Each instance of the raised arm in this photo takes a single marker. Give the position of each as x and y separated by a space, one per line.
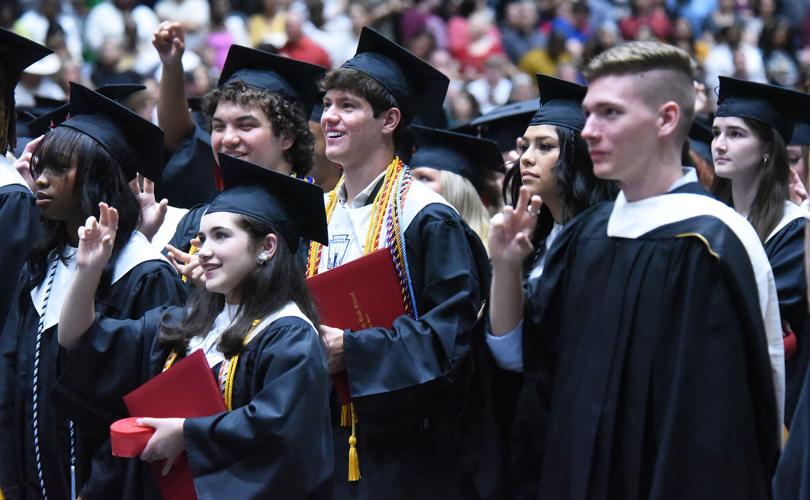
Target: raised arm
95 247
509 245
172 110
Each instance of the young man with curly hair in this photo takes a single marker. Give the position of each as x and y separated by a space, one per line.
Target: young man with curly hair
651 347
259 113
405 381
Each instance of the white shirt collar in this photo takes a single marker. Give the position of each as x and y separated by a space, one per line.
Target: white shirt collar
362 197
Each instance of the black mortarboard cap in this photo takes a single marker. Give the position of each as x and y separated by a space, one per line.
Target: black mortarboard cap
293 79
136 143
16 54
51 119
418 87
560 103
801 134
770 104
506 123
700 138
293 206
317 111
466 155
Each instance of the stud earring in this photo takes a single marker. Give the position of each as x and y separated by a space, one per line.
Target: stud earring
263 257
765 158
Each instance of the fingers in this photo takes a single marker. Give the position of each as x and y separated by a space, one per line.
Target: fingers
178 254
523 200
148 186
167 465
108 217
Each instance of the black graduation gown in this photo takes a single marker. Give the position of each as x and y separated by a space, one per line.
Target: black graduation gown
145 286
792 478
19 217
188 177
785 252
407 383
647 373
275 444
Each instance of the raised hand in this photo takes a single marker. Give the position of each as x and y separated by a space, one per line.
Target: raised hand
170 42
152 213
166 443
187 264
796 190
511 230
96 239
24 165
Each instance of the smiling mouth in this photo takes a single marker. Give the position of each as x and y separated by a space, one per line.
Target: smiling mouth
334 135
211 267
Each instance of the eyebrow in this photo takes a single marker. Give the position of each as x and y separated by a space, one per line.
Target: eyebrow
215 228
238 118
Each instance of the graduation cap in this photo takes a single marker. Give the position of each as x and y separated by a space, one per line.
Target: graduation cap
292 206
560 103
136 143
506 123
700 138
801 134
466 155
418 87
317 111
293 79
772 105
16 54
51 119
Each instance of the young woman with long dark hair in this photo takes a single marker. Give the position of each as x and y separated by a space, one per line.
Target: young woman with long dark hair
89 158
254 320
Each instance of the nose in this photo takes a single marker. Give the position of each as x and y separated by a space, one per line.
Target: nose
230 137
328 116
525 158
589 132
42 180
719 143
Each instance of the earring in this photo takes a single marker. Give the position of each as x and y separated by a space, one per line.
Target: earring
765 158
263 257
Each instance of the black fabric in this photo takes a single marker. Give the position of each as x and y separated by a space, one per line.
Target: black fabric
188 178
646 369
17 53
785 252
506 123
560 103
136 143
466 155
418 87
18 212
276 443
792 478
407 383
145 286
773 105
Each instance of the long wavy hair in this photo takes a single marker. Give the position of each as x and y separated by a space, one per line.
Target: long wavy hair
263 291
768 206
99 177
577 186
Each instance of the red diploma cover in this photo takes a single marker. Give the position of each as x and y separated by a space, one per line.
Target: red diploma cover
360 294
187 389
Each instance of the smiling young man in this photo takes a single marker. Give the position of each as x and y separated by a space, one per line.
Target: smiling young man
645 346
404 381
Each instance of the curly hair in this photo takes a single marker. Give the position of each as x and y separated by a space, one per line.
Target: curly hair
285 116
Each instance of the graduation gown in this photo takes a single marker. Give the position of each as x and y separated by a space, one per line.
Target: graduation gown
188 177
792 478
407 383
140 280
785 250
19 217
276 443
646 357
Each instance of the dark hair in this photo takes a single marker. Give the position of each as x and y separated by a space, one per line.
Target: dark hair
577 186
99 177
378 97
768 206
285 117
266 289
8 117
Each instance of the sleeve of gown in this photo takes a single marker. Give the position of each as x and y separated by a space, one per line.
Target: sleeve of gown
446 266
282 435
8 377
113 358
20 217
786 255
188 178
792 478
159 285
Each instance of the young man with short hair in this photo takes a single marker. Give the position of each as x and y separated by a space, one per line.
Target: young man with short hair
645 344
404 380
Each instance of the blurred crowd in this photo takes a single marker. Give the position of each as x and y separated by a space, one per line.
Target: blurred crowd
489 49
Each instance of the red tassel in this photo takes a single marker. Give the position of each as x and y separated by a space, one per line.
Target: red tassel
220 183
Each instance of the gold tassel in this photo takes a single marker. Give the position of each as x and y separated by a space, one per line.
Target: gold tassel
345 415
354 459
